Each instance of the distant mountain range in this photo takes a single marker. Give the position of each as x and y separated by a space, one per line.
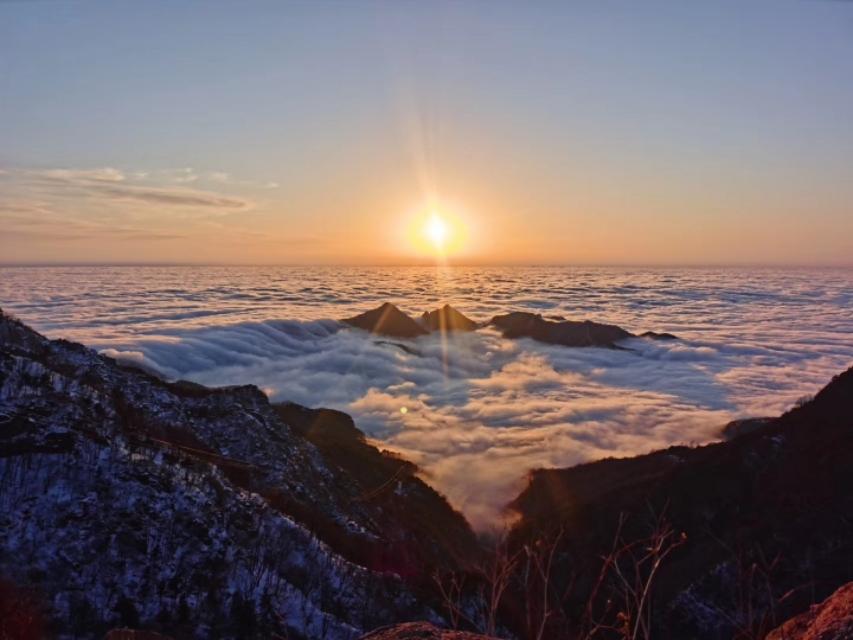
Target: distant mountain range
388 320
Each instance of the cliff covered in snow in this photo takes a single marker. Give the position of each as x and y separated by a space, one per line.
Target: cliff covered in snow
127 500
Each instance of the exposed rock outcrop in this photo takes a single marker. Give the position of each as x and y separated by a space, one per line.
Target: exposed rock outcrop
384 478
387 320
832 619
129 501
568 333
447 318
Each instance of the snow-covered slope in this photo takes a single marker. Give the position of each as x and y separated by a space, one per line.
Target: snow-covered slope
128 500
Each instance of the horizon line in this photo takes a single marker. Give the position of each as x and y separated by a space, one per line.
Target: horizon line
423 264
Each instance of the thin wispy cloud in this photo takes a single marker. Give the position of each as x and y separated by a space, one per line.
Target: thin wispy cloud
80 205
111 183
39 221
174 197
185 175
105 174
223 177
189 175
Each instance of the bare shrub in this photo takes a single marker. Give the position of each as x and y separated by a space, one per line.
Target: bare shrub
527 588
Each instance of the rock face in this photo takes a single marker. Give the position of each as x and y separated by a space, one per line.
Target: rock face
447 319
129 501
781 491
519 324
387 320
421 631
404 506
832 619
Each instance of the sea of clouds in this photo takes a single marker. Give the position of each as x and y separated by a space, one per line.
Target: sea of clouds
476 411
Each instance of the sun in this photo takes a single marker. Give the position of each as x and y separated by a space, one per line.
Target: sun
437 231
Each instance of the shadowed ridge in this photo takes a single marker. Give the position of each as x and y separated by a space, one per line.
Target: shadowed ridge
382 478
568 333
15 334
447 319
737 428
780 491
209 486
831 407
559 491
387 320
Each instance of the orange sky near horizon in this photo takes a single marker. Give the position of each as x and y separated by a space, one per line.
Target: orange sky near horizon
84 217
627 134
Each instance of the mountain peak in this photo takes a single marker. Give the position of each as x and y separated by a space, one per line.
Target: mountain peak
387 320
568 333
209 487
447 318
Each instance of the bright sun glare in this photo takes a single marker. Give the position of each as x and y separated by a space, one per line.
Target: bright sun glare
436 230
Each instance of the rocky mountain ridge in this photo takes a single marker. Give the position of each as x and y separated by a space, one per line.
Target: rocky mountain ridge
767 518
388 320
127 500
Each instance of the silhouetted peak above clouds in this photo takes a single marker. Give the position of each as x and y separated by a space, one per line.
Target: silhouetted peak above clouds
447 318
568 333
387 320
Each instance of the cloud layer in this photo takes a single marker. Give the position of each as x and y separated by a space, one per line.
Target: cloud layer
480 411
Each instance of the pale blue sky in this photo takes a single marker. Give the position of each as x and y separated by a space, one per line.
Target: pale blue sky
303 132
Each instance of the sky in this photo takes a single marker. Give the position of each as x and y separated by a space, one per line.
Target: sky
320 132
